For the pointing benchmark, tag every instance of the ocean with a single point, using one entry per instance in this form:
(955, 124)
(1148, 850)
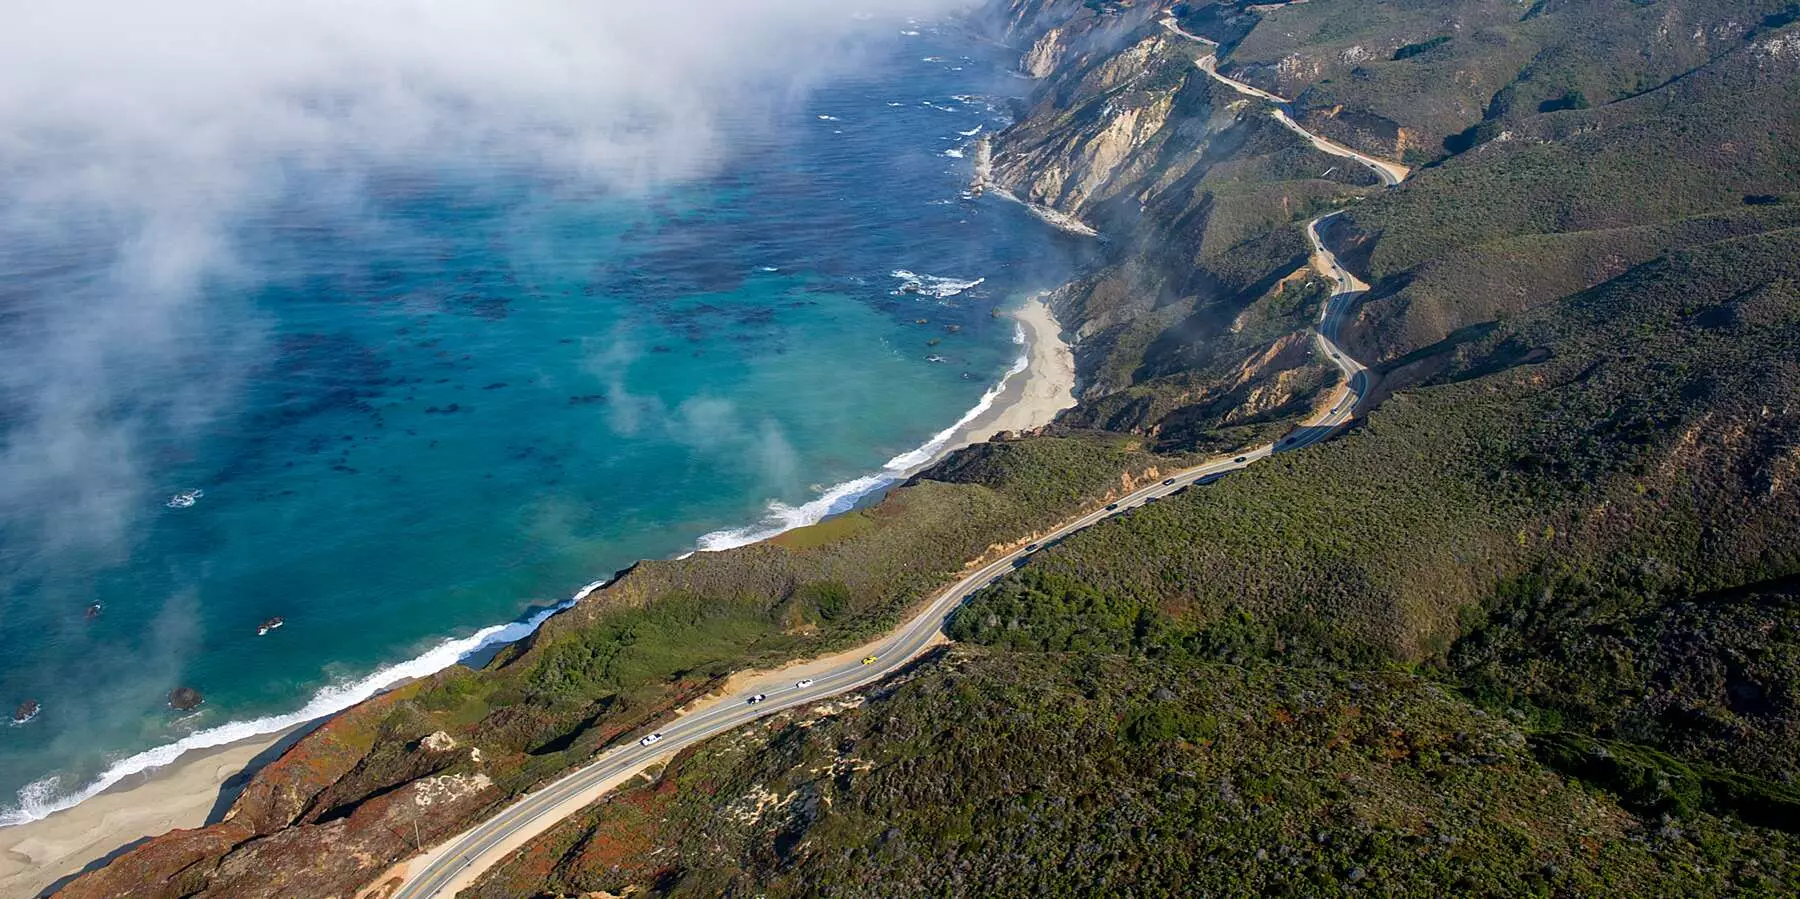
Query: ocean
(462, 396)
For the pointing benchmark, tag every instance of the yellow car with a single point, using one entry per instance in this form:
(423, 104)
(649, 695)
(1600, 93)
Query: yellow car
(870, 660)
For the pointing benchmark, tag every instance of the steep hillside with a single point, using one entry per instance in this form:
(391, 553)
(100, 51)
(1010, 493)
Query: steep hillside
(1001, 774)
(1570, 514)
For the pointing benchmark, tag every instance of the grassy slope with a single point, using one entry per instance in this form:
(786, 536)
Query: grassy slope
(1573, 198)
(1142, 778)
(1616, 451)
(1166, 700)
(1629, 433)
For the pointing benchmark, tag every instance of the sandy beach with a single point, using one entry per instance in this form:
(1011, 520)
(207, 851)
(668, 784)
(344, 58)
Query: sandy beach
(188, 793)
(198, 787)
(1032, 397)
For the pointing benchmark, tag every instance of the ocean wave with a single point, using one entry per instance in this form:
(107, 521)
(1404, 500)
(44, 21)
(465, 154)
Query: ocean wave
(781, 517)
(953, 153)
(44, 797)
(932, 285)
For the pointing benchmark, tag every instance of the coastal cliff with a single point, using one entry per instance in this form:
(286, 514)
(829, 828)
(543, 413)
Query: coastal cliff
(1454, 651)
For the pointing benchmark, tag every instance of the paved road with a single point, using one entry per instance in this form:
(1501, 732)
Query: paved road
(482, 846)
(1390, 173)
(486, 844)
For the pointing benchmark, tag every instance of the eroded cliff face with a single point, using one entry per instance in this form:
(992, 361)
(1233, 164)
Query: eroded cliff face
(323, 820)
(1191, 334)
(1198, 193)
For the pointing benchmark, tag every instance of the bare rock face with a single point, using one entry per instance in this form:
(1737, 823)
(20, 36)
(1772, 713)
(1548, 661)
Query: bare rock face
(174, 864)
(437, 741)
(337, 857)
(1044, 55)
(184, 699)
(1094, 133)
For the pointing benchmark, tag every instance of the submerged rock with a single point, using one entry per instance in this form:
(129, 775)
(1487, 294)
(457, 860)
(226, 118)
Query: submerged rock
(183, 699)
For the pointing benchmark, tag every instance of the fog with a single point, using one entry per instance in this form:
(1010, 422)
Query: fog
(133, 135)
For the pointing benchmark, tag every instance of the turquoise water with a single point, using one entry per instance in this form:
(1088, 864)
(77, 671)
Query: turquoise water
(462, 396)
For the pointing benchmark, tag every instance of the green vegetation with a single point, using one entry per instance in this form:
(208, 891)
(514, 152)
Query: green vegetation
(1004, 774)
(1422, 47)
(1531, 626)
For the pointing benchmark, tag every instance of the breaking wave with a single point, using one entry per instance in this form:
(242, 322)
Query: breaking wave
(843, 497)
(44, 797)
(933, 285)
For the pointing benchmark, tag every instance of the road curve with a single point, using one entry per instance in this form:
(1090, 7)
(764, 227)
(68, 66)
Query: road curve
(1390, 173)
(454, 864)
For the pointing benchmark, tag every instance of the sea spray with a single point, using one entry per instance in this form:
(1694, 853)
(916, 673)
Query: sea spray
(933, 285)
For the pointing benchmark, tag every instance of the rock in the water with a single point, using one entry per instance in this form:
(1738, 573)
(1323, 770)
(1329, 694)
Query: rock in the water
(26, 711)
(183, 699)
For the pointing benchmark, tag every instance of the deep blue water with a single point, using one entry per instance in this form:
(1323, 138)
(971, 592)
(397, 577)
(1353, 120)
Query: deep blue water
(468, 393)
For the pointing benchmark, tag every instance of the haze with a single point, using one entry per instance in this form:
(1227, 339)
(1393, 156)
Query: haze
(132, 137)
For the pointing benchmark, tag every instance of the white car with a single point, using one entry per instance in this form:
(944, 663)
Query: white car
(803, 684)
(755, 699)
(650, 739)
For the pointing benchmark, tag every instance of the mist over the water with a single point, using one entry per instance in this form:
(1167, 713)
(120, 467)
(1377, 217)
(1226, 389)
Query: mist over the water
(135, 136)
(449, 309)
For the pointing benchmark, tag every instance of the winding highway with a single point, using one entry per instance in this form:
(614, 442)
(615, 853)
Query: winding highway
(456, 863)
(1390, 173)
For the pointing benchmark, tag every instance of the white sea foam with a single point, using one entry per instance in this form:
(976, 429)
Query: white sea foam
(971, 132)
(932, 285)
(828, 118)
(45, 796)
(782, 517)
(953, 153)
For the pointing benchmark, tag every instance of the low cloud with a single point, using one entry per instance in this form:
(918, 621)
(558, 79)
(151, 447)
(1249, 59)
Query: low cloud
(135, 137)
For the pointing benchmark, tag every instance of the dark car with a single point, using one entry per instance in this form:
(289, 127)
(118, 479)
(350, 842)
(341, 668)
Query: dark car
(1169, 483)
(1241, 459)
(1032, 548)
(1113, 508)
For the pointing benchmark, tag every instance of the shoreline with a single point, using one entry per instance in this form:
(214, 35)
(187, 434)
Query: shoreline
(187, 792)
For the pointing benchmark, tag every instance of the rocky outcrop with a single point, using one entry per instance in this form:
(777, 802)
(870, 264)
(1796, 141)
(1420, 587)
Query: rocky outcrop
(1044, 55)
(185, 699)
(1095, 132)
